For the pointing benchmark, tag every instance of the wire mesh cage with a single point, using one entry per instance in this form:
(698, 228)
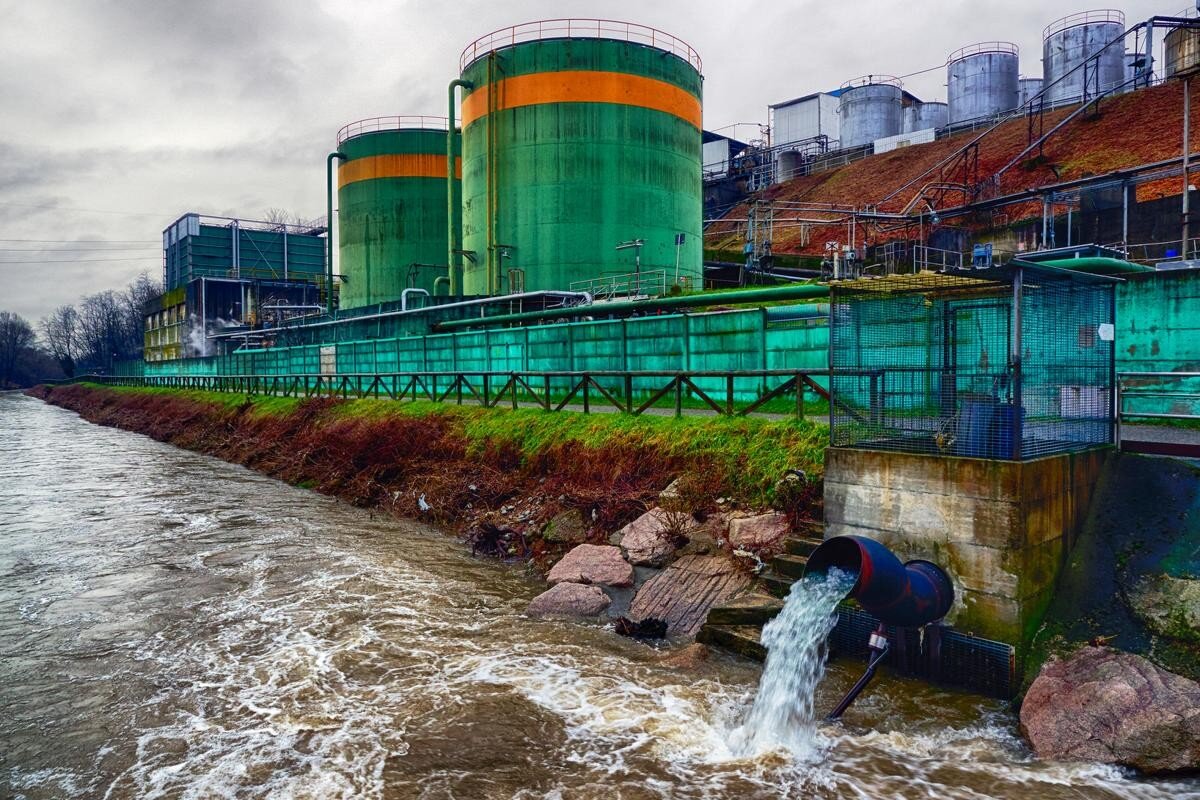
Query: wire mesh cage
(1012, 363)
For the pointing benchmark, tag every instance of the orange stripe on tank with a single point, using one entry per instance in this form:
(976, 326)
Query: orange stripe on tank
(582, 86)
(396, 165)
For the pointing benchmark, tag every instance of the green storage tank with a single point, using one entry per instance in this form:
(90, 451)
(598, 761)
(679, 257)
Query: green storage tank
(578, 136)
(392, 229)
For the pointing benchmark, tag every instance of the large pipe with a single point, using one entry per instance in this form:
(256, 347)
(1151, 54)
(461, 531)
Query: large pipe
(453, 203)
(335, 155)
(808, 291)
(1092, 265)
(906, 595)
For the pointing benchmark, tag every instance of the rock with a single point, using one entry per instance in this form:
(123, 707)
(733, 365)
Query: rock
(593, 563)
(566, 527)
(1104, 705)
(689, 657)
(1169, 606)
(670, 493)
(762, 534)
(648, 628)
(706, 537)
(682, 594)
(649, 540)
(569, 600)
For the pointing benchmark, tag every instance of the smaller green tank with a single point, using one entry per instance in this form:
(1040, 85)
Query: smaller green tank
(392, 227)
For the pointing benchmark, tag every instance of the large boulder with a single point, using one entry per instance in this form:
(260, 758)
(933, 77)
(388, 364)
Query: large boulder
(763, 534)
(569, 600)
(593, 563)
(566, 527)
(1104, 705)
(651, 539)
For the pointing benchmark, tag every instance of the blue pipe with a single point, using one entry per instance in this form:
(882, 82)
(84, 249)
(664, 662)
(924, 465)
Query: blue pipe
(906, 595)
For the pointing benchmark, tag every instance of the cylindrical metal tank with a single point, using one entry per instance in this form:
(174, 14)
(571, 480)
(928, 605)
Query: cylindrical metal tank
(391, 207)
(981, 80)
(1181, 52)
(922, 116)
(1027, 89)
(581, 156)
(1069, 42)
(870, 108)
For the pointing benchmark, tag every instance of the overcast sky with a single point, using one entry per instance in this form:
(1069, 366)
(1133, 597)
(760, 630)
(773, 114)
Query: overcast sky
(118, 116)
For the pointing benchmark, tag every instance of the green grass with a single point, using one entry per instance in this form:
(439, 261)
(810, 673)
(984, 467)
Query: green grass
(751, 453)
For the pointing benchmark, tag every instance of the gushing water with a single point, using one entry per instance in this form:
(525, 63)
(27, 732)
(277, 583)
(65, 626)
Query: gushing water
(782, 715)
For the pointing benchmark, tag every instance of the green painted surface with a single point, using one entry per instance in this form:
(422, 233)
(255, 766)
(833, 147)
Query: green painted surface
(1158, 330)
(391, 231)
(572, 180)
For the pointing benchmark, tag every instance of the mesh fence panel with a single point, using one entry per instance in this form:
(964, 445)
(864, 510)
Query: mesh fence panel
(1010, 363)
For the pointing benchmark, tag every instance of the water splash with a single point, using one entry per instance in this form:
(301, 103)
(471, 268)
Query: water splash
(782, 715)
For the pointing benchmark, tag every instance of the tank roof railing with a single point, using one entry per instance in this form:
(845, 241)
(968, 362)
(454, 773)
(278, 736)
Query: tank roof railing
(980, 48)
(873, 80)
(398, 123)
(1095, 17)
(579, 29)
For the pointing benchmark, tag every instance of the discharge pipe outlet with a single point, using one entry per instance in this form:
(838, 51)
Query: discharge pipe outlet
(337, 155)
(907, 595)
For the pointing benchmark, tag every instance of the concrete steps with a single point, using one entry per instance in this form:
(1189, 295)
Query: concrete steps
(740, 639)
(736, 625)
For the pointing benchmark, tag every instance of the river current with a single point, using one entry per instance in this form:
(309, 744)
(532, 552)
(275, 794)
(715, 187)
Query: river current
(175, 626)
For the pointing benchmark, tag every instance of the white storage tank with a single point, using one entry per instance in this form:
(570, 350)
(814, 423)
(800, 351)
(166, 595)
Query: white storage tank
(1027, 89)
(1070, 41)
(870, 108)
(981, 80)
(922, 116)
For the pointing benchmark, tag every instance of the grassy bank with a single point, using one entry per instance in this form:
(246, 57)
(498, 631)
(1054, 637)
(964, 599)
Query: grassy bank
(464, 463)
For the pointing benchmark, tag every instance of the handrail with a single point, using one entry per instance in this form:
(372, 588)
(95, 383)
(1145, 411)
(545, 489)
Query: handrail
(873, 80)
(1084, 18)
(394, 123)
(980, 48)
(572, 28)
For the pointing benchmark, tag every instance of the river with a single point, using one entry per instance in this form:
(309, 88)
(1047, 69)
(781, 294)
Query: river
(175, 626)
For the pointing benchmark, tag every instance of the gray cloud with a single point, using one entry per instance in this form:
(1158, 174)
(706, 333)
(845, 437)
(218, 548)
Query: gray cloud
(116, 116)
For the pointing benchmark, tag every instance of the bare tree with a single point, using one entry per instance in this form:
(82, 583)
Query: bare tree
(60, 332)
(102, 329)
(141, 291)
(16, 337)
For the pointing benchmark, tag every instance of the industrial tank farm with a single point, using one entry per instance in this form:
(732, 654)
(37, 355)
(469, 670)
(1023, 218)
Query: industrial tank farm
(579, 136)
(870, 109)
(391, 208)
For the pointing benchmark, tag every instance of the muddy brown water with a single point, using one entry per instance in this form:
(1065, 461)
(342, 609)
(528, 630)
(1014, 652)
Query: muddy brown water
(175, 626)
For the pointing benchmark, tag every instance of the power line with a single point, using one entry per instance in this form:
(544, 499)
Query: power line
(72, 260)
(86, 241)
(77, 249)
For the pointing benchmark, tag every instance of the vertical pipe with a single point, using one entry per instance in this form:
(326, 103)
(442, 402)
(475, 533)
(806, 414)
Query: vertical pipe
(1045, 222)
(1187, 120)
(338, 155)
(285, 253)
(453, 202)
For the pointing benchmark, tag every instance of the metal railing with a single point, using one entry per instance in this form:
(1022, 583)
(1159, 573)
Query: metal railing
(397, 123)
(579, 29)
(1084, 18)
(651, 283)
(629, 392)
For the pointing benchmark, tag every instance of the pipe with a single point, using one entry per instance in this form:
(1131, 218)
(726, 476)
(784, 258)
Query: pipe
(908, 595)
(453, 202)
(339, 155)
(1092, 265)
(404, 297)
(441, 280)
(808, 291)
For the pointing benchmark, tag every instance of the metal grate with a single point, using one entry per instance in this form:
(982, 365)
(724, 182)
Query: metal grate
(1008, 363)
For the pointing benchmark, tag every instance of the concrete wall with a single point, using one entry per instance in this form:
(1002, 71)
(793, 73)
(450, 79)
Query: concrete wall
(1001, 529)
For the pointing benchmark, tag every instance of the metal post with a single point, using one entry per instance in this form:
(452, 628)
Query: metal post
(1125, 215)
(1045, 221)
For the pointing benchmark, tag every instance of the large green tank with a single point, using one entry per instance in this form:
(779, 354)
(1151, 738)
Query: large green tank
(578, 136)
(392, 232)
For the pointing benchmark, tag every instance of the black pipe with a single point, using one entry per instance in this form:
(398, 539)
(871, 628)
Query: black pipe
(907, 595)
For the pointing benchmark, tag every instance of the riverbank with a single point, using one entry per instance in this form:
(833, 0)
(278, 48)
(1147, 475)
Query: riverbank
(469, 468)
